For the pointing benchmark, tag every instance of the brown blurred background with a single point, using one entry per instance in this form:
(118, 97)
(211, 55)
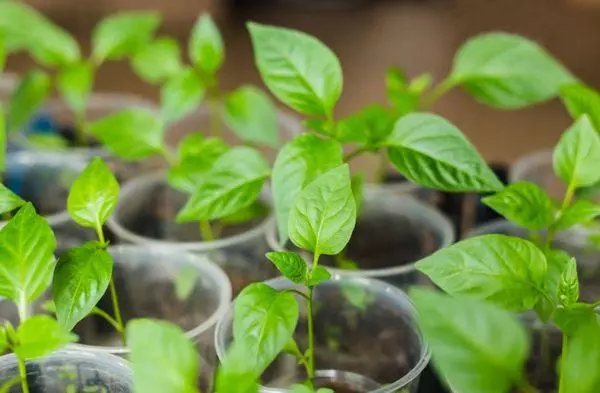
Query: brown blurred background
(370, 35)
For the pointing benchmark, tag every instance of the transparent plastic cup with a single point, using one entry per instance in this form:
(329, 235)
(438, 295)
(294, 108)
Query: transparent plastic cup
(71, 370)
(145, 215)
(8, 82)
(393, 231)
(366, 337)
(537, 168)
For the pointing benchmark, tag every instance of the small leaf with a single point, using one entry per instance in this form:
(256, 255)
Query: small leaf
(299, 162)
(9, 201)
(161, 346)
(264, 321)
(568, 288)
(40, 335)
(75, 83)
(371, 126)
(182, 93)
(507, 71)
(158, 60)
(235, 374)
(358, 296)
(404, 97)
(557, 261)
(27, 246)
(576, 157)
(317, 276)
(131, 134)
(579, 212)
(28, 96)
(582, 100)
(233, 183)
(477, 346)
(582, 360)
(297, 68)
(252, 116)
(323, 214)
(206, 45)
(290, 264)
(505, 270)
(185, 282)
(93, 195)
(357, 183)
(526, 204)
(81, 278)
(430, 151)
(570, 319)
(123, 34)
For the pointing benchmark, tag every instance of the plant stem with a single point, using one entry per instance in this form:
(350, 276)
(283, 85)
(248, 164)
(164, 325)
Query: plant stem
(206, 231)
(311, 334)
(80, 133)
(565, 203)
(100, 234)
(381, 168)
(215, 119)
(168, 156)
(355, 154)
(22, 306)
(23, 374)
(108, 318)
(297, 292)
(544, 351)
(561, 386)
(437, 93)
(116, 310)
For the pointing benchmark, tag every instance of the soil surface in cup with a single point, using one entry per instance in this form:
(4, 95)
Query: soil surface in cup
(340, 387)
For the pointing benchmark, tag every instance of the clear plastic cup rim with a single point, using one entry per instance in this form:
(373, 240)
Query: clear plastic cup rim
(525, 163)
(205, 266)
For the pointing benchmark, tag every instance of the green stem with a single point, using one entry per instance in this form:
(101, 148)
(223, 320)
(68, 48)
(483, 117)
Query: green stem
(297, 292)
(116, 310)
(100, 234)
(561, 386)
(355, 154)
(301, 358)
(566, 202)
(311, 327)
(80, 133)
(168, 156)
(437, 93)
(108, 318)
(22, 306)
(23, 374)
(215, 119)
(206, 231)
(381, 168)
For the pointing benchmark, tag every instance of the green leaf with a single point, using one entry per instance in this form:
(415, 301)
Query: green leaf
(206, 45)
(299, 162)
(478, 347)
(506, 270)
(93, 195)
(507, 71)
(3, 132)
(570, 319)
(568, 287)
(233, 183)
(579, 212)
(122, 34)
(3, 341)
(557, 261)
(290, 264)
(27, 245)
(429, 150)
(54, 142)
(582, 100)
(403, 96)
(371, 126)
(264, 321)
(576, 157)
(317, 276)
(297, 68)
(182, 93)
(252, 212)
(323, 214)
(80, 280)
(582, 361)
(75, 83)
(526, 204)
(185, 282)
(28, 96)
(131, 134)
(252, 116)
(235, 374)
(163, 358)
(158, 60)
(9, 201)
(3, 53)
(40, 335)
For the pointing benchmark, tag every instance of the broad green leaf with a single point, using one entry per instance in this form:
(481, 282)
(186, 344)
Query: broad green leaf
(75, 83)
(29, 95)
(582, 100)
(290, 264)
(507, 71)
(505, 270)
(80, 280)
(40, 335)
(478, 347)
(297, 68)
(568, 287)
(206, 45)
(162, 357)
(582, 360)
(526, 204)
(317, 276)
(123, 34)
(579, 212)
(570, 319)
(196, 157)
(576, 157)
(254, 211)
(233, 183)
(185, 282)
(27, 245)
(298, 163)
(9, 201)
(323, 214)
(252, 116)
(3, 135)
(158, 60)
(264, 321)
(371, 126)
(131, 134)
(47, 43)
(429, 150)
(93, 195)
(180, 95)
(235, 374)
